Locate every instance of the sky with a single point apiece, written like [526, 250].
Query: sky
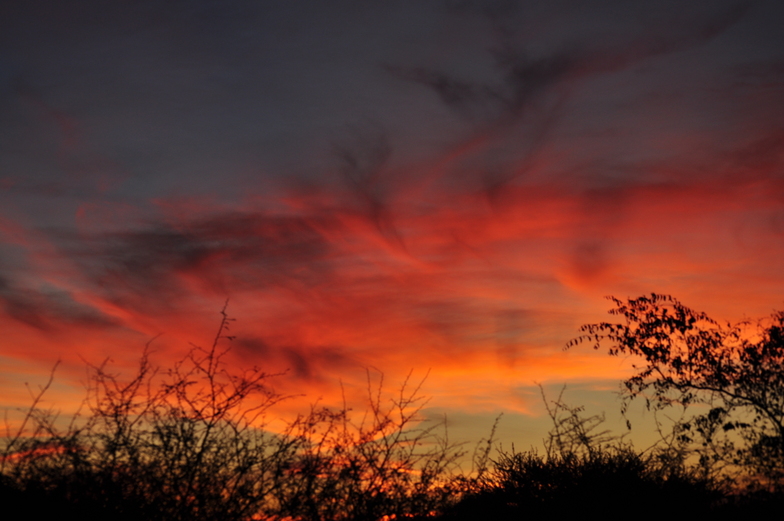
[447, 188]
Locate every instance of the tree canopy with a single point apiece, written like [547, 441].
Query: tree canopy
[728, 379]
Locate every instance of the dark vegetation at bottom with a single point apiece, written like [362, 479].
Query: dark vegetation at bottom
[521, 486]
[614, 485]
[185, 444]
[617, 485]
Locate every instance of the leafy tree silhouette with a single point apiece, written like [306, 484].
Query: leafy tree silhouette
[727, 379]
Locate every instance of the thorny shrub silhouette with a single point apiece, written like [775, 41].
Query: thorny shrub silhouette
[726, 379]
[190, 443]
[582, 469]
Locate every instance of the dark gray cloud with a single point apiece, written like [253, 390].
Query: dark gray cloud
[221, 253]
[49, 310]
[364, 159]
[521, 105]
[522, 79]
[312, 364]
[523, 74]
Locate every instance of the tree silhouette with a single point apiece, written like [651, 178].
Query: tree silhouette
[727, 378]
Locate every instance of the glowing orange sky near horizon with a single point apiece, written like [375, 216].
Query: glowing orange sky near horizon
[482, 294]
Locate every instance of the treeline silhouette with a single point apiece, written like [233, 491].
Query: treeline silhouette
[192, 442]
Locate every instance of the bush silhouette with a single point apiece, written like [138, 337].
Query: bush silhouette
[190, 444]
[614, 483]
[582, 470]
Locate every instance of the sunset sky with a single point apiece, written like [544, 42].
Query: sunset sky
[445, 186]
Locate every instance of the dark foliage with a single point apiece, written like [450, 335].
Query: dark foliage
[614, 483]
[191, 444]
[728, 379]
[582, 470]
